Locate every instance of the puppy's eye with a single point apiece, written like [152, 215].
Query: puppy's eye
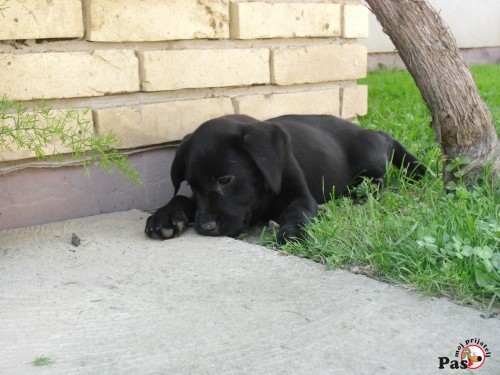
[225, 180]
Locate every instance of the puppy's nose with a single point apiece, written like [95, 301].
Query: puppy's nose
[209, 226]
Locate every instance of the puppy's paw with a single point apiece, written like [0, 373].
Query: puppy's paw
[289, 232]
[171, 219]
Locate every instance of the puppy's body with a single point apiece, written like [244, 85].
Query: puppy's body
[242, 170]
[333, 152]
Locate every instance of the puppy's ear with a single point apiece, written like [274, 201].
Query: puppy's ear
[269, 146]
[178, 169]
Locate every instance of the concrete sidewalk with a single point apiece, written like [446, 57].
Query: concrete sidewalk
[120, 303]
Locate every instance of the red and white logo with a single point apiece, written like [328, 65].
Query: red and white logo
[474, 355]
[470, 355]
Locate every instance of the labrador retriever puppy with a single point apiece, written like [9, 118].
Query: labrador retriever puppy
[242, 171]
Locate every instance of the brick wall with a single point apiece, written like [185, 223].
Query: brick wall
[152, 70]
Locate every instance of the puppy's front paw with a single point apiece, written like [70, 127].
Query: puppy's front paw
[171, 219]
[289, 232]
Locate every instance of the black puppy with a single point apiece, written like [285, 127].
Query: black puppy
[242, 170]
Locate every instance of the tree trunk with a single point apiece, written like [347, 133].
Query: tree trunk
[462, 123]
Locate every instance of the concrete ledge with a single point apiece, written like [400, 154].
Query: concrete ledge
[42, 195]
[472, 56]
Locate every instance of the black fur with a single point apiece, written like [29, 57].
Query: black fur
[242, 170]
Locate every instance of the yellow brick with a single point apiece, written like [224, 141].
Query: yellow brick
[318, 63]
[355, 21]
[80, 119]
[37, 19]
[354, 101]
[159, 123]
[178, 69]
[68, 74]
[153, 20]
[284, 20]
[318, 102]
[126, 124]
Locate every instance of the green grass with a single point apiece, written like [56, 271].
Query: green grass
[414, 234]
[42, 361]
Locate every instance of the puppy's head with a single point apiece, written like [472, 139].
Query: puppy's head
[234, 165]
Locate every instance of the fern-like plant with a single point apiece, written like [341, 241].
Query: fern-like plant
[43, 132]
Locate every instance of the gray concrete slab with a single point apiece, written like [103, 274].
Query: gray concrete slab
[120, 303]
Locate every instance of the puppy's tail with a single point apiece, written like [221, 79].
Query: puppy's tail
[402, 158]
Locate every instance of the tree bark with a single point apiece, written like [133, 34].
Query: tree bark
[462, 123]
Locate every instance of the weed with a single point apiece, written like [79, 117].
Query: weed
[42, 361]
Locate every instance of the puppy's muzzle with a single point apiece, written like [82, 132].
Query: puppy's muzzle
[208, 228]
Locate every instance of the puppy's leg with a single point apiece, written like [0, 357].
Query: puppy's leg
[296, 215]
[172, 218]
